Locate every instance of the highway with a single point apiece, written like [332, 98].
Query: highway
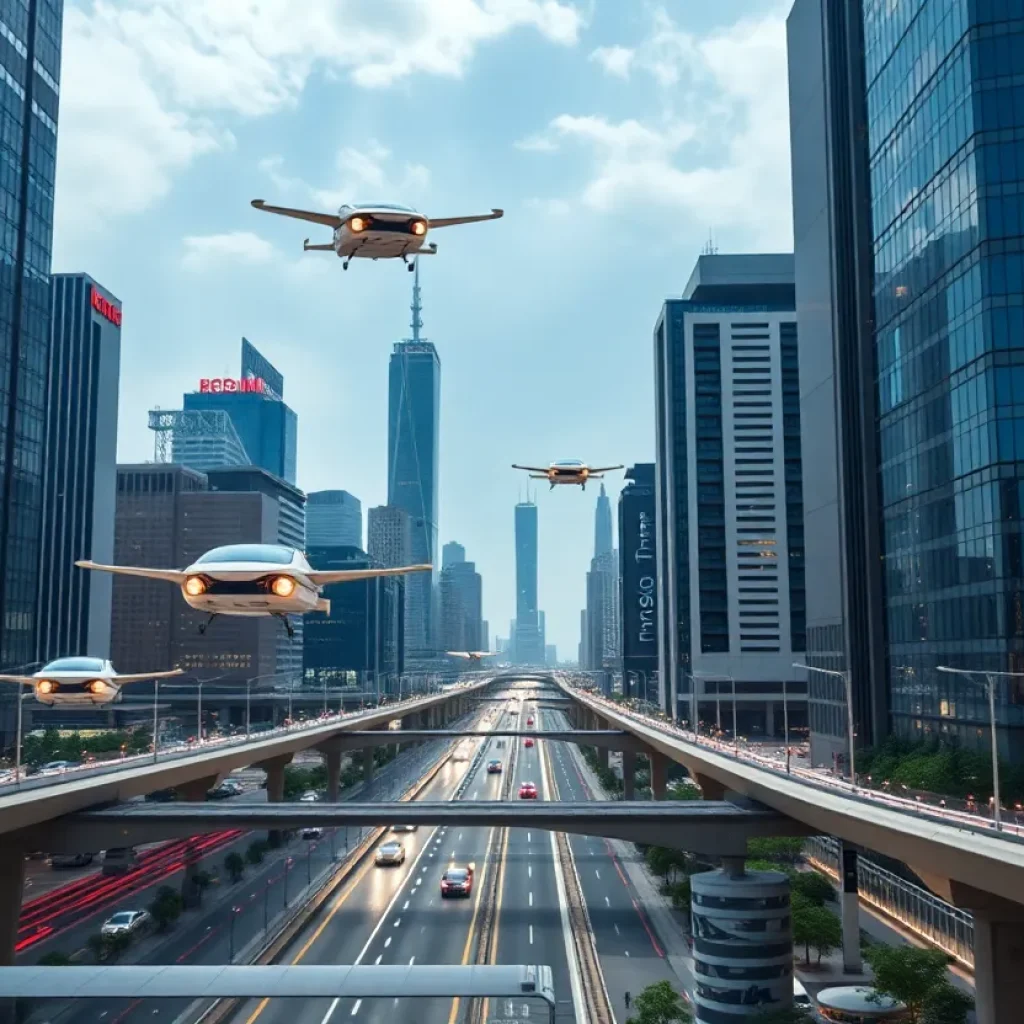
[395, 915]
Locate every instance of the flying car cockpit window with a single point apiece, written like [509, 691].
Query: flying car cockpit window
[272, 554]
[384, 206]
[76, 665]
[569, 462]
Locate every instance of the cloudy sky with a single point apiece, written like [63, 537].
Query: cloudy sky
[615, 133]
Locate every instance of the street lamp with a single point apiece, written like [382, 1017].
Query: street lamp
[991, 678]
[848, 685]
[710, 676]
[17, 742]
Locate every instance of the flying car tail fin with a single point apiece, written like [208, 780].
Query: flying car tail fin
[326, 247]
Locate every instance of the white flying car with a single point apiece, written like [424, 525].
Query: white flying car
[470, 655]
[568, 471]
[375, 231]
[254, 579]
[81, 681]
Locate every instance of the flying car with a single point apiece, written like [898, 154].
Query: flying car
[253, 579]
[470, 655]
[81, 681]
[376, 231]
[568, 471]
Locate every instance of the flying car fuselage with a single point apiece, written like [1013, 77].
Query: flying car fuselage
[380, 231]
[81, 682]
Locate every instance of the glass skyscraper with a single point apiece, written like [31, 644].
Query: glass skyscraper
[414, 423]
[30, 41]
[333, 519]
[529, 644]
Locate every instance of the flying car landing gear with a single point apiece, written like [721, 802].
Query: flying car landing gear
[344, 265]
[288, 627]
[204, 626]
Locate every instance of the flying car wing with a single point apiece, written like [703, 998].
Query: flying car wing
[447, 222]
[344, 575]
[327, 247]
[329, 220]
[530, 469]
[24, 680]
[170, 575]
[141, 677]
[604, 469]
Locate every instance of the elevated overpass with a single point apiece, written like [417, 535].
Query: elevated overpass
[605, 739]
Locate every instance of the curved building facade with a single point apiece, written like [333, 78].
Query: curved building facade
[742, 945]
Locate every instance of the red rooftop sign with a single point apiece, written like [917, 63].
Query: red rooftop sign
[229, 385]
[105, 307]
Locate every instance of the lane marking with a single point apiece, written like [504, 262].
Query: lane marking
[376, 963]
[412, 961]
[531, 934]
[529, 871]
[598, 873]
[355, 1009]
[398, 921]
[607, 901]
[330, 1011]
[405, 905]
[531, 899]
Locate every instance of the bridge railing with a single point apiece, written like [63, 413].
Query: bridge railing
[919, 911]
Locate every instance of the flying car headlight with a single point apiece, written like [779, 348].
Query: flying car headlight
[283, 586]
[46, 686]
[358, 224]
[418, 227]
[96, 686]
[195, 586]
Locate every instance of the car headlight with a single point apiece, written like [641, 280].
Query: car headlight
[357, 224]
[46, 686]
[96, 686]
[283, 586]
[195, 586]
[418, 227]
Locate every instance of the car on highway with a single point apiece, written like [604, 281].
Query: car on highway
[528, 791]
[529, 721]
[494, 767]
[528, 742]
[126, 921]
[119, 860]
[312, 832]
[404, 828]
[390, 853]
[309, 797]
[457, 881]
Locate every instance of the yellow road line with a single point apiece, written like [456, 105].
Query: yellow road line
[467, 949]
[497, 909]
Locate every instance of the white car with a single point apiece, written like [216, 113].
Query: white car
[309, 797]
[404, 828]
[312, 832]
[130, 921]
[392, 853]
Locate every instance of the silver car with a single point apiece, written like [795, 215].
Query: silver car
[392, 853]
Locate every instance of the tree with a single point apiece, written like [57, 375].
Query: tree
[660, 1004]
[166, 907]
[946, 1004]
[815, 888]
[55, 958]
[787, 1015]
[786, 849]
[256, 851]
[909, 974]
[234, 865]
[814, 928]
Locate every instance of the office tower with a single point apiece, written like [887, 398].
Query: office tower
[289, 503]
[79, 468]
[452, 553]
[603, 525]
[29, 143]
[389, 536]
[528, 647]
[266, 428]
[360, 639]
[414, 399]
[485, 635]
[333, 519]
[728, 499]
[550, 655]
[638, 582]
[602, 638]
[584, 646]
[542, 624]
[461, 607]
[198, 438]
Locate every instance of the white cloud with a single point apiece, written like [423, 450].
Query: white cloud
[720, 151]
[204, 251]
[145, 81]
[550, 207]
[616, 60]
[537, 144]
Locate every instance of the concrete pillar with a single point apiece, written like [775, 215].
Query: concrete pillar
[628, 775]
[849, 909]
[659, 773]
[711, 789]
[998, 965]
[602, 756]
[194, 792]
[332, 760]
[12, 881]
[769, 718]
[368, 765]
[275, 786]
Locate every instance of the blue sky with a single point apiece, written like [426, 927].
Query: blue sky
[614, 133]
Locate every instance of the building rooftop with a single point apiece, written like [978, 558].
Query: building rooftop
[743, 279]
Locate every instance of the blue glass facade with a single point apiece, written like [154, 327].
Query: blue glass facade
[30, 40]
[266, 427]
[945, 104]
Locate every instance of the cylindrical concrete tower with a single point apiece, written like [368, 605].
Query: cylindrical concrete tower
[742, 944]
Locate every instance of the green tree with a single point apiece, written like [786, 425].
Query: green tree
[166, 907]
[814, 928]
[814, 888]
[909, 974]
[681, 895]
[786, 1015]
[256, 851]
[660, 1004]
[785, 849]
[234, 865]
[946, 1004]
[55, 958]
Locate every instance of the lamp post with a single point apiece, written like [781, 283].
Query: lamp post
[156, 717]
[848, 687]
[711, 676]
[991, 678]
[785, 722]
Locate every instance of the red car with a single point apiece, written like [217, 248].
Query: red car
[528, 791]
[528, 742]
[457, 881]
[529, 721]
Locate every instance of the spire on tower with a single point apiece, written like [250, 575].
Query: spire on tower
[416, 307]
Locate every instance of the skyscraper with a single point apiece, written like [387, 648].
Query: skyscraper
[414, 400]
[729, 506]
[638, 584]
[451, 554]
[461, 607]
[389, 536]
[333, 519]
[80, 468]
[603, 525]
[32, 38]
[528, 647]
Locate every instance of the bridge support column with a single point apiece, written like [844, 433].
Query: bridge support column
[332, 761]
[194, 792]
[275, 787]
[628, 775]
[659, 773]
[368, 765]
[12, 880]
[602, 757]
[710, 788]
[849, 907]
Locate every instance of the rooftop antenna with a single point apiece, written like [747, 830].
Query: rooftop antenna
[416, 307]
[710, 249]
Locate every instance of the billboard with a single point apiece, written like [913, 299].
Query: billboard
[256, 365]
[639, 580]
